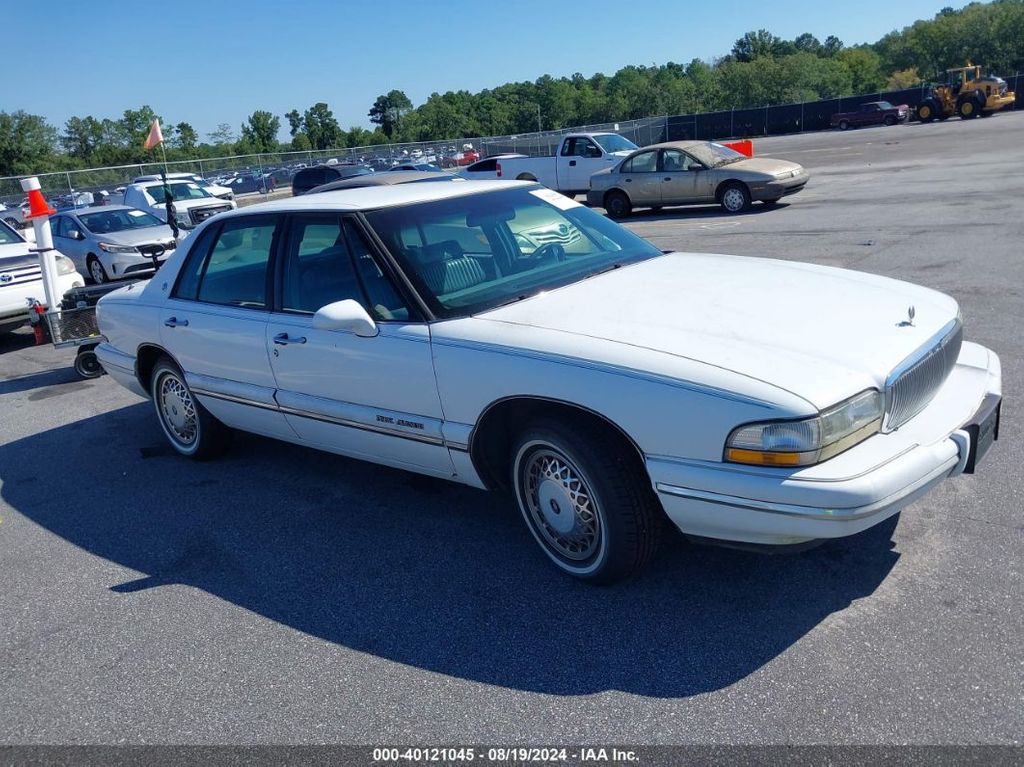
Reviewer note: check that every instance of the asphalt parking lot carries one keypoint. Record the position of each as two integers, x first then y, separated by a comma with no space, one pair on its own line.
286,596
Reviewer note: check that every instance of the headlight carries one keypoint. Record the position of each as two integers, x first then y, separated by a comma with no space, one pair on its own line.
65,265
809,440
183,220
110,248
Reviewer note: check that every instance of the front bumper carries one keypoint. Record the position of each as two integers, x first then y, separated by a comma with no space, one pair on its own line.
842,496
773,190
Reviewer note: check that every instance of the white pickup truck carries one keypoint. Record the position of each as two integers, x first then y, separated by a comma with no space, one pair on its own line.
580,155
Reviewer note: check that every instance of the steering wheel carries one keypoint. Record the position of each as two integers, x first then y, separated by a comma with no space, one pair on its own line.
551,251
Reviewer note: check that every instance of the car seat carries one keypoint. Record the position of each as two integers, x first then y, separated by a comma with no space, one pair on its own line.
446,268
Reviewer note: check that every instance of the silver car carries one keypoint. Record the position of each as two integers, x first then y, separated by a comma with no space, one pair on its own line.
693,173
112,242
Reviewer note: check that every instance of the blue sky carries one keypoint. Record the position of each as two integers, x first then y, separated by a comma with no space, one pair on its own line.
213,61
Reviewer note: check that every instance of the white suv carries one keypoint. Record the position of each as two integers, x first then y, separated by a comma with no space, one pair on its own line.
21,278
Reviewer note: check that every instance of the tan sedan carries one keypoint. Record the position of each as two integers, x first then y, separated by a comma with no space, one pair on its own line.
693,173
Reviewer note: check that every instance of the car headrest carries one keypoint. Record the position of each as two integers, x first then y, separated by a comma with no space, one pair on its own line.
446,250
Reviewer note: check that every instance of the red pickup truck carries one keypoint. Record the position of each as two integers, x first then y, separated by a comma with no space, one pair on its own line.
871,113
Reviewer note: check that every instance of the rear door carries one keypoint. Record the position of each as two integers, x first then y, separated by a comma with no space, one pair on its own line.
371,398
214,323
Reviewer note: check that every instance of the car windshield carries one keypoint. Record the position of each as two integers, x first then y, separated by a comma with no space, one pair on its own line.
119,220
469,254
885,105
182,190
8,236
613,142
712,155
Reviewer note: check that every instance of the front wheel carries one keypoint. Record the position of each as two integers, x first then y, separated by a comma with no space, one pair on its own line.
890,120
588,505
617,204
188,426
96,271
735,198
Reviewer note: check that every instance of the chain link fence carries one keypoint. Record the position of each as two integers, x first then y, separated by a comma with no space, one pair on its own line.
83,187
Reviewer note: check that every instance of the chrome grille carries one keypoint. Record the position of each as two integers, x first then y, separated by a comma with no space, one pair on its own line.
912,385
20,275
198,215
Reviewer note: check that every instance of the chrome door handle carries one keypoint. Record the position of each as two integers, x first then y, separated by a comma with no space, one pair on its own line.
173,322
284,338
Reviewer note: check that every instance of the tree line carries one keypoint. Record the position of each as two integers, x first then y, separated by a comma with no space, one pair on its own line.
760,70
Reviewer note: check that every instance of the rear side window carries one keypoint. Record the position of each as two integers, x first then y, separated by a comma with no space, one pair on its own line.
229,266
236,268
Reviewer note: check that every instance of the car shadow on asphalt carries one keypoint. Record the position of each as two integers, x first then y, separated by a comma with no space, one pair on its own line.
708,212
421,571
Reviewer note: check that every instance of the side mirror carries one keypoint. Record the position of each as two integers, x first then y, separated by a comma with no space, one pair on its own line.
698,166
345,315
74,234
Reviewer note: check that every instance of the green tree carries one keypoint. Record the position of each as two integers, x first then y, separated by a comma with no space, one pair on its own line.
27,143
321,128
82,137
300,143
756,44
865,67
185,137
294,119
259,131
388,109
223,135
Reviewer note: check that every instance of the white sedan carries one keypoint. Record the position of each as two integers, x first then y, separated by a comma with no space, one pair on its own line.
503,336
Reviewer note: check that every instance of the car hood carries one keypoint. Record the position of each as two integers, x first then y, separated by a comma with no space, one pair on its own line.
12,254
204,202
161,234
818,332
762,165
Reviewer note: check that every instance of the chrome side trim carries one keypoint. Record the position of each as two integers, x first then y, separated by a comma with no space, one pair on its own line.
324,417
603,367
427,439
242,392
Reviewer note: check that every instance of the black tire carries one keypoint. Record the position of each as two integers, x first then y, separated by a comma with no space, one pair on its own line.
890,120
618,525
928,111
844,125
967,108
734,197
87,365
96,271
196,434
617,204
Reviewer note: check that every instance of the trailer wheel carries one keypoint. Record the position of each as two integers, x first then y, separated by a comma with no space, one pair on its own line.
86,363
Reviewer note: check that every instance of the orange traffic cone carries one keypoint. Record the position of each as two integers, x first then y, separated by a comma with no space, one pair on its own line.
38,207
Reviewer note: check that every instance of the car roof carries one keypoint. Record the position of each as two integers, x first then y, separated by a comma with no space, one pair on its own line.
97,209
673,145
386,196
387,178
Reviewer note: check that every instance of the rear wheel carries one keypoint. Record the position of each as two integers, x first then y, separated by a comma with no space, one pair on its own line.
735,198
844,125
188,426
585,499
617,204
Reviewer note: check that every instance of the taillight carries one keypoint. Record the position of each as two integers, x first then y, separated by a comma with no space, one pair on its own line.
497,169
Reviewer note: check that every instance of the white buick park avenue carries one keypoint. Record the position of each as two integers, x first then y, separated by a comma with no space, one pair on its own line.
501,335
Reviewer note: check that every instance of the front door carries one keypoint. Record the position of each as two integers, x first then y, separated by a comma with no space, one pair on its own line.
684,179
214,324
371,398
641,180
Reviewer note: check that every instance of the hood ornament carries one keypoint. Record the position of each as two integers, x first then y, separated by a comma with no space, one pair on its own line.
909,321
